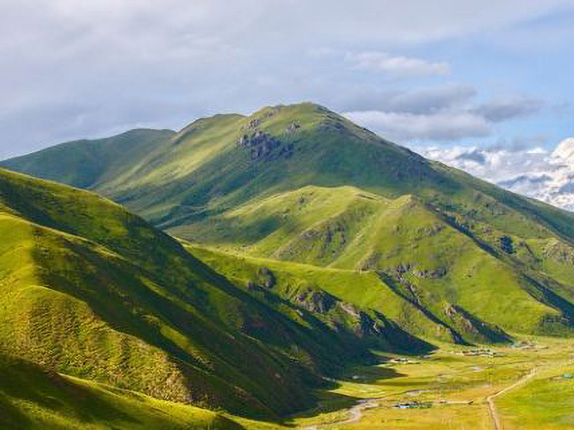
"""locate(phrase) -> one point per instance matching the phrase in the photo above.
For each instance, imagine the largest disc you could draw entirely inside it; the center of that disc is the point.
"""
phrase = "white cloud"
(538, 173)
(505, 109)
(397, 66)
(83, 68)
(439, 113)
(444, 126)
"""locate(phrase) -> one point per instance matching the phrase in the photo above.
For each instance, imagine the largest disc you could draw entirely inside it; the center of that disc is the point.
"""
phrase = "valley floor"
(529, 386)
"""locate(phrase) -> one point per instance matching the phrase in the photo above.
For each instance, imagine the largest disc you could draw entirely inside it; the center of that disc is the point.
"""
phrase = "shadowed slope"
(301, 183)
(33, 398)
(90, 290)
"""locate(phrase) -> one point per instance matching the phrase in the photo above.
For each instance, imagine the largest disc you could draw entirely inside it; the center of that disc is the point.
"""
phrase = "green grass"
(332, 194)
(456, 387)
(82, 294)
(307, 250)
(545, 403)
(85, 163)
(32, 398)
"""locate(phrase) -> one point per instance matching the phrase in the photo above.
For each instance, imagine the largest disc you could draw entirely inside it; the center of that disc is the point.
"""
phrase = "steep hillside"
(32, 398)
(89, 290)
(425, 256)
(302, 184)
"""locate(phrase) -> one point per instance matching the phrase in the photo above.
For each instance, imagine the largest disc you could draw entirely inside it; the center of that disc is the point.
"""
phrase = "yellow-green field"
(529, 388)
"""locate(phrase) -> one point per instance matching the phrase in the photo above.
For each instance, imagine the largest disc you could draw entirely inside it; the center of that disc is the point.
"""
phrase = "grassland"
(302, 184)
(455, 388)
(314, 243)
(32, 398)
(82, 295)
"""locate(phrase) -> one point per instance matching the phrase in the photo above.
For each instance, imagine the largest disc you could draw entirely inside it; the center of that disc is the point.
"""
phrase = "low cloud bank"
(538, 173)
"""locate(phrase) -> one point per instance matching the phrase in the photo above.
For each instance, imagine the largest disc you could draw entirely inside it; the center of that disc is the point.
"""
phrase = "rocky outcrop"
(400, 270)
(559, 252)
(437, 273)
(253, 124)
(315, 300)
(262, 145)
(292, 128)
(265, 280)
(266, 277)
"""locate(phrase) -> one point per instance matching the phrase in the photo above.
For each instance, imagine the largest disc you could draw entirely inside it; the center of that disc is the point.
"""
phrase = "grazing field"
(546, 403)
(531, 386)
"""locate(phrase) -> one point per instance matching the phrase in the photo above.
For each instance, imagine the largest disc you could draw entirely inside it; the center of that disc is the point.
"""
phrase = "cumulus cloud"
(537, 172)
(503, 110)
(439, 113)
(86, 68)
(445, 126)
(397, 66)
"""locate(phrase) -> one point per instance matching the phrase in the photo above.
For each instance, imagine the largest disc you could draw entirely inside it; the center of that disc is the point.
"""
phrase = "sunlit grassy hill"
(89, 290)
(302, 184)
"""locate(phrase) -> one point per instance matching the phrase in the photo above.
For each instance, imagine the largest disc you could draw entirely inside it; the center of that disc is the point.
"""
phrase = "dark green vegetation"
(305, 241)
(302, 184)
(34, 398)
(89, 290)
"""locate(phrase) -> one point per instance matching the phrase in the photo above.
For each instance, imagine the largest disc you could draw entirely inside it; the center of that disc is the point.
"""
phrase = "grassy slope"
(307, 185)
(84, 163)
(420, 252)
(32, 398)
(82, 294)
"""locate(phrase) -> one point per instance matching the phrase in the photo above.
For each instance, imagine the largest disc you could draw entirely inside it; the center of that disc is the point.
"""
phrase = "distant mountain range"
(540, 174)
(274, 250)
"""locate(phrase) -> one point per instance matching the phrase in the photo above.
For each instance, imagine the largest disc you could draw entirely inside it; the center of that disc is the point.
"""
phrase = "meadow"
(531, 385)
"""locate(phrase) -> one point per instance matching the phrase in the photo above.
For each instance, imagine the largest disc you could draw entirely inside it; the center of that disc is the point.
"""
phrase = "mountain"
(84, 163)
(301, 184)
(539, 173)
(91, 291)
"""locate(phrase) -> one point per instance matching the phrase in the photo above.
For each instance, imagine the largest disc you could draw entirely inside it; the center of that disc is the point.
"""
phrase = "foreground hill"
(32, 398)
(300, 184)
(89, 290)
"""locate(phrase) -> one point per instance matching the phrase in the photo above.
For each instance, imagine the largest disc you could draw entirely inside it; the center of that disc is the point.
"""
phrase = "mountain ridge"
(304, 242)
(300, 183)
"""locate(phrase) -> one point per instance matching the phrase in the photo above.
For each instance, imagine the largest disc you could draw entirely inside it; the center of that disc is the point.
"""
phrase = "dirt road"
(490, 399)
(354, 414)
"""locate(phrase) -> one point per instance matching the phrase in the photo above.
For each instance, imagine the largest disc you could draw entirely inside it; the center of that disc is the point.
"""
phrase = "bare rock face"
(399, 271)
(253, 124)
(262, 145)
(315, 301)
(437, 273)
(350, 309)
(266, 277)
(292, 128)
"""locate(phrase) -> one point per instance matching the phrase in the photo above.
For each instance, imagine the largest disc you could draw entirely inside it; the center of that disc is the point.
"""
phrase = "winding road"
(355, 414)
(490, 399)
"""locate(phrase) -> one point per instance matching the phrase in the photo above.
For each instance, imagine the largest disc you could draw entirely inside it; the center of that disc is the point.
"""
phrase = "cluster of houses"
(481, 352)
(413, 405)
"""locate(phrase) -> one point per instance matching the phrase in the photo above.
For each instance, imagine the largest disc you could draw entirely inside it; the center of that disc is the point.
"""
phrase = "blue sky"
(443, 73)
